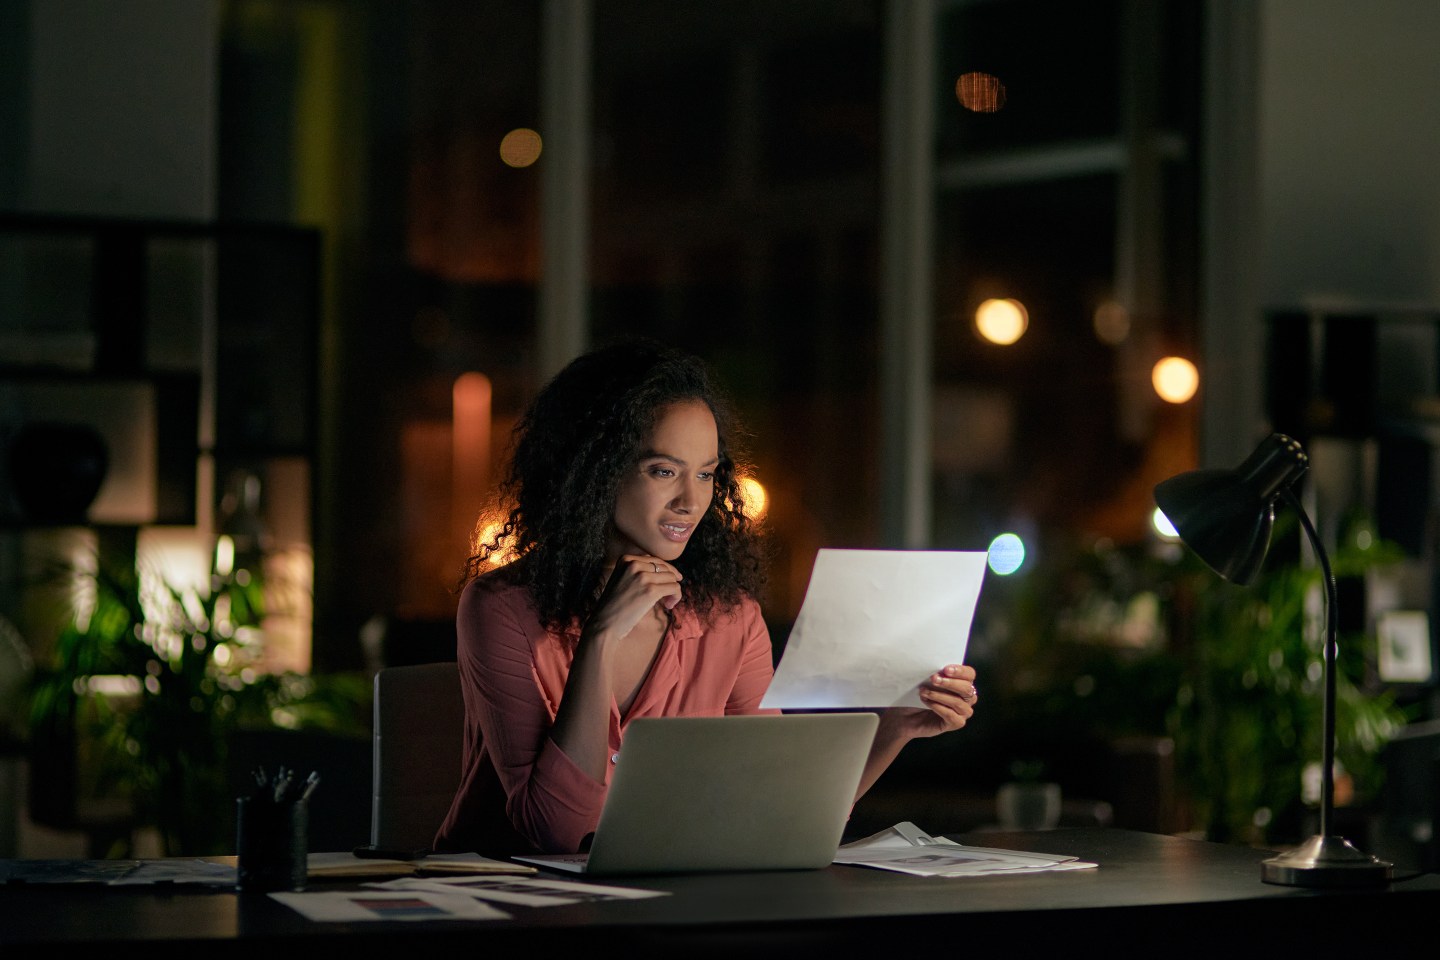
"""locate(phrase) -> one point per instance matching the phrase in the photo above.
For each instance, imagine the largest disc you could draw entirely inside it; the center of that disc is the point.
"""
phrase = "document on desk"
(195, 870)
(120, 872)
(905, 848)
(522, 891)
(352, 905)
(347, 866)
(874, 625)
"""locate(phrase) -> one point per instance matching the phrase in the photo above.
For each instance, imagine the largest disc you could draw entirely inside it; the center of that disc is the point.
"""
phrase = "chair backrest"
(419, 719)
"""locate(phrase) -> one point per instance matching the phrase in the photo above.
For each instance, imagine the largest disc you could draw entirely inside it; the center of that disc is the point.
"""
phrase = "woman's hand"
(949, 696)
(635, 586)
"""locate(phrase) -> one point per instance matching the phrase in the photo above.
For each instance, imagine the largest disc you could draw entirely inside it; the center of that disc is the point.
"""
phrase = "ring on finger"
(654, 567)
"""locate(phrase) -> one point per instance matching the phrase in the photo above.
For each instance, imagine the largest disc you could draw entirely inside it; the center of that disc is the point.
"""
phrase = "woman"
(632, 594)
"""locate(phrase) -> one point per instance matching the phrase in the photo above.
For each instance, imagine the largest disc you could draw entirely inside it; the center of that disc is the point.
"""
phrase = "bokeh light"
(1001, 321)
(1006, 554)
(756, 500)
(520, 147)
(224, 555)
(980, 92)
(1175, 379)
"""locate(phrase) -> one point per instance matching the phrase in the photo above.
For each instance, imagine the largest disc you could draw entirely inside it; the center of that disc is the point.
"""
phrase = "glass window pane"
(1058, 62)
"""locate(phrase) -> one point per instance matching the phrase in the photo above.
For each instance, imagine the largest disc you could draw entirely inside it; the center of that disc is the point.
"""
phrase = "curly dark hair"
(584, 431)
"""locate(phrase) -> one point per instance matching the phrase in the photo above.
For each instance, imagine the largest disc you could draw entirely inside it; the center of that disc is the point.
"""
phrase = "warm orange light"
(1001, 321)
(980, 92)
(469, 448)
(487, 528)
(754, 497)
(1175, 379)
(521, 147)
(470, 412)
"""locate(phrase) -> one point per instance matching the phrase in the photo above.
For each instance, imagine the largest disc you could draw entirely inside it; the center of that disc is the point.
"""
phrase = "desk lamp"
(1225, 516)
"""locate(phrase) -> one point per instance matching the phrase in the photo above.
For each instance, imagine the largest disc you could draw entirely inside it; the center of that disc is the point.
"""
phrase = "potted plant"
(1247, 714)
(146, 684)
(1115, 642)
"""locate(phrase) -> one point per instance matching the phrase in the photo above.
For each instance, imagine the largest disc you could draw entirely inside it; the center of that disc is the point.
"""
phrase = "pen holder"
(1028, 806)
(271, 841)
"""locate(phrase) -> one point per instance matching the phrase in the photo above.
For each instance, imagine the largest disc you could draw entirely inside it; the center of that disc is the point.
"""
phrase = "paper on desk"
(522, 891)
(201, 871)
(874, 625)
(64, 871)
(333, 866)
(349, 906)
(118, 872)
(905, 848)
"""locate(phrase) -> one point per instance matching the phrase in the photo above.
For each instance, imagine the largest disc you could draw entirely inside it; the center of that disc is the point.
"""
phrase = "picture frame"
(1405, 645)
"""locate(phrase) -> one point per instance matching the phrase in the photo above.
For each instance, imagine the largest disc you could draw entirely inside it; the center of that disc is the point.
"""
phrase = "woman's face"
(666, 493)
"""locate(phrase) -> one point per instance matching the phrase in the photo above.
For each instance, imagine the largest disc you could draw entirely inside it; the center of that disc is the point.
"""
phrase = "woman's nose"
(684, 502)
(693, 494)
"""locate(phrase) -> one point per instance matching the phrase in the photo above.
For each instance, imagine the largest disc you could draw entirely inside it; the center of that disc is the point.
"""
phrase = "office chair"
(419, 716)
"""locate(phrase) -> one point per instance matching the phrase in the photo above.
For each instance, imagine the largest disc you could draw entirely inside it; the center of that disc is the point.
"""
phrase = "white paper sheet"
(523, 891)
(180, 871)
(352, 905)
(874, 625)
(905, 848)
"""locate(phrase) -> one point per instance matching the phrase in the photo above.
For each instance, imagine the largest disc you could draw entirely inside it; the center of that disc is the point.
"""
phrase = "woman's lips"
(678, 532)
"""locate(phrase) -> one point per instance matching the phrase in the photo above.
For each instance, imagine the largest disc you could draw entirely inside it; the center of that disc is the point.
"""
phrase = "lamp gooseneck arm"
(1328, 660)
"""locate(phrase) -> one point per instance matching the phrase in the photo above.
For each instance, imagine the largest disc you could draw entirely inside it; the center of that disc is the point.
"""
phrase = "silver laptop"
(691, 794)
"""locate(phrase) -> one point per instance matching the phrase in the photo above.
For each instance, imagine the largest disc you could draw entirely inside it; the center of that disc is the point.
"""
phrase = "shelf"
(173, 340)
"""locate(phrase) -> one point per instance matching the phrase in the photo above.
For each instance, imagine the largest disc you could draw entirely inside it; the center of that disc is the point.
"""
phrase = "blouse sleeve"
(756, 668)
(550, 800)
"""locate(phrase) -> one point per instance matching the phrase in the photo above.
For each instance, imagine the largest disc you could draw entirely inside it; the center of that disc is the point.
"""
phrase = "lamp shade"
(1225, 516)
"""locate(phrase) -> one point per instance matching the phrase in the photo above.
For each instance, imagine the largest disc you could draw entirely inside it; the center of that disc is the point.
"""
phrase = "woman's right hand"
(636, 585)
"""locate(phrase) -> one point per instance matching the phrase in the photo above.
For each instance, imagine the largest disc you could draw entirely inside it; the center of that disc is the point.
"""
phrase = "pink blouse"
(513, 673)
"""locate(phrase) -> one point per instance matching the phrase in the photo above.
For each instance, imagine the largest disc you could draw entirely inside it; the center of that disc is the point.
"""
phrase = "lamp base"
(1325, 862)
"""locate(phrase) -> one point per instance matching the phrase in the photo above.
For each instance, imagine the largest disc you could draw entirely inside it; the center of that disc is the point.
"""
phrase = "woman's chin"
(663, 549)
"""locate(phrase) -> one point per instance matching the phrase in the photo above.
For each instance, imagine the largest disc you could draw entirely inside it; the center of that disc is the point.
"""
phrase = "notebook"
(693, 794)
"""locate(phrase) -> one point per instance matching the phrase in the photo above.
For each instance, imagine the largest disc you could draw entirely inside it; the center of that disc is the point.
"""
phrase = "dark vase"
(56, 470)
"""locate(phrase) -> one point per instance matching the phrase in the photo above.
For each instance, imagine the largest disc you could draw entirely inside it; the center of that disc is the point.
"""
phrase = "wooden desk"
(1149, 891)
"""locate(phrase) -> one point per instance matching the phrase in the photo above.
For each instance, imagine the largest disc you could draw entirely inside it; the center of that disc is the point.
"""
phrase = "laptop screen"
(693, 794)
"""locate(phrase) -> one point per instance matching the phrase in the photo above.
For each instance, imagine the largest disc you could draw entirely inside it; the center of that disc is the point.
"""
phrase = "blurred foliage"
(1112, 641)
(146, 683)
(1247, 720)
(1089, 651)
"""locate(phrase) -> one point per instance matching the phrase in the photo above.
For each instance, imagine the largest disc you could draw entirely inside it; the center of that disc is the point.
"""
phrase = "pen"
(282, 785)
(311, 782)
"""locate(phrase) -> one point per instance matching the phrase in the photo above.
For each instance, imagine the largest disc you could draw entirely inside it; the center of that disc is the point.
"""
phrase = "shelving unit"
(191, 350)
(1359, 386)
(1366, 377)
(180, 343)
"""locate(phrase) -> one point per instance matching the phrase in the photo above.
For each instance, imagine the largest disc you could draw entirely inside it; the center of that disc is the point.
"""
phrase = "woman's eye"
(663, 472)
(707, 477)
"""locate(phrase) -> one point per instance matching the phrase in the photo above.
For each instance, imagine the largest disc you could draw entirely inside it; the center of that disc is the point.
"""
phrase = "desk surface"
(1149, 889)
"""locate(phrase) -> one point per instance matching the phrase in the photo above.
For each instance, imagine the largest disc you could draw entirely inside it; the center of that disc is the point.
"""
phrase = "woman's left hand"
(949, 695)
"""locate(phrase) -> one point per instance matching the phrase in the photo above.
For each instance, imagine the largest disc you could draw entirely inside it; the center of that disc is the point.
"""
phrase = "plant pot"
(1028, 806)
